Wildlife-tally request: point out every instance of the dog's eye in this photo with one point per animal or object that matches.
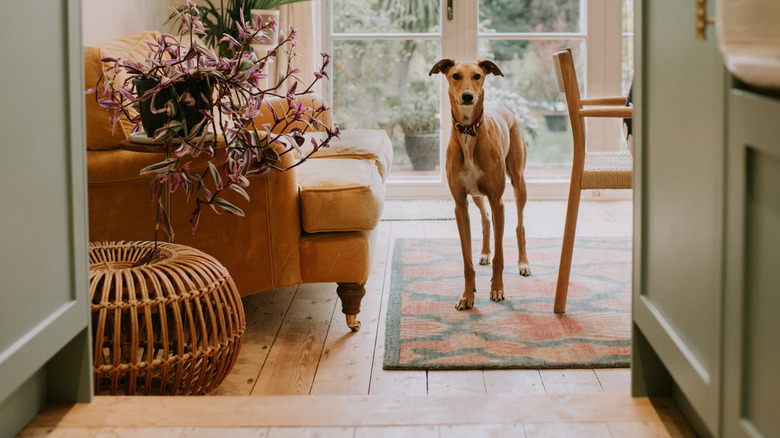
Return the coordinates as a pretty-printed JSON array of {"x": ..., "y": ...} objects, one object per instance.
[
  {"x": 456, "y": 76},
  {"x": 477, "y": 76}
]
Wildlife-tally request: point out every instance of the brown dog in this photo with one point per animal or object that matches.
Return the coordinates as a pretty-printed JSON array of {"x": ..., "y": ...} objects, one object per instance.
[{"x": 485, "y": 146}]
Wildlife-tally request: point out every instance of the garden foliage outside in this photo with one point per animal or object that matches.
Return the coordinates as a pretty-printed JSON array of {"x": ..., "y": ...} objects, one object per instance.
[{"x": 377, "y": 81}]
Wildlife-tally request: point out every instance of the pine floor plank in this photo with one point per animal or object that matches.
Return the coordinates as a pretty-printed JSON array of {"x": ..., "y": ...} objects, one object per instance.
[
  {"x": 133, "y": 432},
  {"x": 623, "y": 214},
  {"x": 440, "y": 229},
  {"x": 570, "y": 381},
  {"x": 265, "y": 313},
  {"x": 483, "y": 431},
  {"x": 579, "y": 430},
  {"x": 597, "y": 219},
  {"x": 292, "y": 363},
  {"x": 225, "y": 432},
  {"x": 442, "y": 383},
  {"x": 513, "y": 382},
  {"x": 614, "y": 380},
  {"x": 52, "y": 432},
  {"x": 644, "y": 429},
  {"x": 556, "y": 214},
  {"x": 311, "y": 432},
  {"x": 313, "y": 302},
  {"x": 398, "y": 432}
]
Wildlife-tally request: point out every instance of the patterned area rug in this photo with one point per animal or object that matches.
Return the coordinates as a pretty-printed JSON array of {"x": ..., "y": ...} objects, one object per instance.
[{"x": 426, "y": 332}]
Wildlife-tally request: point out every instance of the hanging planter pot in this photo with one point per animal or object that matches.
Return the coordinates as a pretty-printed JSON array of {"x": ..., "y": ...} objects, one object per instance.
[{"x": 190, "y": 114}]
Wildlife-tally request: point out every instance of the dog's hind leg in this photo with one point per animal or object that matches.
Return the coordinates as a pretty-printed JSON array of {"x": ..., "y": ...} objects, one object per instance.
[
  {"x": 515, "y": 164},
  {"x": 484, "y": 256}
]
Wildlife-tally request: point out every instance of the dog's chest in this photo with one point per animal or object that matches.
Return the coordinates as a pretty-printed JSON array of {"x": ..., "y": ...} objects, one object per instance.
[{"x": 470, "y": 174}]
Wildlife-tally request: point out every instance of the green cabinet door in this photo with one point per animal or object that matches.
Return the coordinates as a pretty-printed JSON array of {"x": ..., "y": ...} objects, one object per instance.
[
  {"x": 680, "y": 207},
  {"x": 751, "y": 359},
  {"x": 44, "y": 308}
]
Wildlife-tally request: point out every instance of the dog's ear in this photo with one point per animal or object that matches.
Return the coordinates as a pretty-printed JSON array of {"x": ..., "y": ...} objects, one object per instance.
[
  {"x": 489, "y": 67},
  {"x": 441, "y": 67}
]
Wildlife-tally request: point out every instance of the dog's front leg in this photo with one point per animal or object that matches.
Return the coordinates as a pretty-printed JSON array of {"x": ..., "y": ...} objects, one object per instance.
[
  {"x": 497, "y": 281},
  {"x": 464, "y": 230}
]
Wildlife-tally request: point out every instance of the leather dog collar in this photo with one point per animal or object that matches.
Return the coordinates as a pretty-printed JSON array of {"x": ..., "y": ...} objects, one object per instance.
[{"x": 467, "y": 129}]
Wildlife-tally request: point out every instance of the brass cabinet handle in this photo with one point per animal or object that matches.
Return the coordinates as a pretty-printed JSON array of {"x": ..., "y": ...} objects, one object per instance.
[{"x": 702, "y": 20}]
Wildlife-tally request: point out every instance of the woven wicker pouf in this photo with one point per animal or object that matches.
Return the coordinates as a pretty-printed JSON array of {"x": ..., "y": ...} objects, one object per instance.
[{"x": 172, "y": 326}]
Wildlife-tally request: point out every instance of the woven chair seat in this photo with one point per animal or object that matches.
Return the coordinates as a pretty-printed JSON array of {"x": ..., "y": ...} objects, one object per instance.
[{"x": 607, "y": 170}]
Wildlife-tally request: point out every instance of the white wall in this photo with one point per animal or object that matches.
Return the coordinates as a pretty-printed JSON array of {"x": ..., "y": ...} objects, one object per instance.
[{"x": 104, "y": 20}]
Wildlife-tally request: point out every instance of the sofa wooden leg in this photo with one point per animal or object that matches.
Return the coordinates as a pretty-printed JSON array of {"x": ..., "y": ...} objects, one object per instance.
[{"x": 351, "y": 294}]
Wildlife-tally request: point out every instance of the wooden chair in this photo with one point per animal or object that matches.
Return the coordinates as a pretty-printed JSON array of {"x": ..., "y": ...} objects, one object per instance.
[{"x": 589, "y": 170}]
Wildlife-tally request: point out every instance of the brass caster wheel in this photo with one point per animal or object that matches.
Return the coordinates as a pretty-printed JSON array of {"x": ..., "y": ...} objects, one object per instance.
[{"x": 353, "y": 323}]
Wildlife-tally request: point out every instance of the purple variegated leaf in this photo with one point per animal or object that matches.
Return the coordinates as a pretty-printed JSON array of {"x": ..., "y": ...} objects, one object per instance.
[
  {"x": 228, "y": 207},
  {"x": 238, "y": 189},
  {"x": 194, "y": 219},
  {"x": 215, "y": 174},
  {"x": 161, "y": 167}
]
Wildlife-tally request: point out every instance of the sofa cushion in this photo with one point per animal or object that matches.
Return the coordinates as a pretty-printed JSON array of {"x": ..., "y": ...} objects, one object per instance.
[
  {"x": 339, "y": 194},
  {"x": 366, "y": 144},
  {"x": 100, "y": 134}
]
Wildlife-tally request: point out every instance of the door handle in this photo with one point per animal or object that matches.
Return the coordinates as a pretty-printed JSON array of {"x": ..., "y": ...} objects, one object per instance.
[
  {"x": 449, "y": 10},
  {"x": 702, "y": 20}
]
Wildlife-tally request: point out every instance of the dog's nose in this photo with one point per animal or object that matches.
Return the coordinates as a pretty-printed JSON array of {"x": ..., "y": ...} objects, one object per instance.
[{"x": 467, "y": 97}]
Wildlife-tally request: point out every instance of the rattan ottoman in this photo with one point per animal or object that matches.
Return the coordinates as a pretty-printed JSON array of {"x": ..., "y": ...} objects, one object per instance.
[{"x": 172, "y": 326}]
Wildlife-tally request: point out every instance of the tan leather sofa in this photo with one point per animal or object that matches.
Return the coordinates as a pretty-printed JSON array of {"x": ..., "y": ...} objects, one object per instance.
[{"x": 314, "y": 223}]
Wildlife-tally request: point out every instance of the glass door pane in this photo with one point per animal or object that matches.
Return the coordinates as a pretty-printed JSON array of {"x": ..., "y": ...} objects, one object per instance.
[
  {"x": 521, "y": 37},
  {"x": 382, "y": 52}
]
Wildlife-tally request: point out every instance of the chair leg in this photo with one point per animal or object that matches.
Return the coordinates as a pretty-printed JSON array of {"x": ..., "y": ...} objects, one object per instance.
[
  {"x": 567, "y": 248},
  {"x": 351, "y": 294}
]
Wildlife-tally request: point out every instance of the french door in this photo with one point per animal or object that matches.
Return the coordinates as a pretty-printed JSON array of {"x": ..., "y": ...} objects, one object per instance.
[{"x": 383, "y": 49}]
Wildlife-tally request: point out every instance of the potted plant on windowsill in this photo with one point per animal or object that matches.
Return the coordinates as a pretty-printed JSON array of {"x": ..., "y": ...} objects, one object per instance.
[
  {"x": 178, "y": 67},
  {"x": 418, "y": 116}
]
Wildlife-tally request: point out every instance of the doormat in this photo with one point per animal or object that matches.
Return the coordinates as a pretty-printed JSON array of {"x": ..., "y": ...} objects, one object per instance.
[{"x": 418, "y": 209}]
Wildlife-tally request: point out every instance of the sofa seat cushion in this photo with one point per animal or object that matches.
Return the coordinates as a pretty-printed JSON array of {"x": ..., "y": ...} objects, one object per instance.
[
  {"x": 340, "y": 194},
  {"x": 366, "y": 144}
]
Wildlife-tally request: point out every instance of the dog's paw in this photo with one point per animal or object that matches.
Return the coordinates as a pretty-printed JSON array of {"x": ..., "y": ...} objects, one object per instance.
[
  {"x": 484, "y": 259},
  {"x": 465, "y": 302},
  {"x": 524, "y": 269},
  {"x": 497, "y": 295}
]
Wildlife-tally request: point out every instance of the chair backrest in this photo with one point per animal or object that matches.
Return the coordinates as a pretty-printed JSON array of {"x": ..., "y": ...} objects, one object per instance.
[{"x": 567, "y": 84}]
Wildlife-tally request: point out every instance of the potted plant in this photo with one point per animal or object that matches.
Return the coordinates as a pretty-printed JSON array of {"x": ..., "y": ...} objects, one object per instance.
[
  {"x": 177, "y": 66},
  {"x": 218, "y": 19},
  {"x": 418, "y": 116}
]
